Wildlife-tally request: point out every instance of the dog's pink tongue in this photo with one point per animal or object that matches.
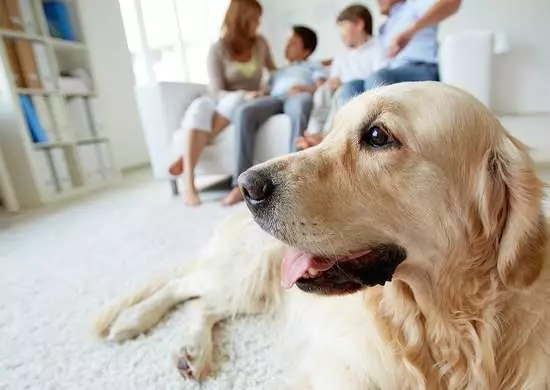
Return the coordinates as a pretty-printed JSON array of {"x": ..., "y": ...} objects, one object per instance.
[{"x": 296, "y": 264}]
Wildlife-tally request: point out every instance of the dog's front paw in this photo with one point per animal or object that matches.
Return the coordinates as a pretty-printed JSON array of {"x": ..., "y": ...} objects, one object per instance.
[{"x": 193, "y": 362}]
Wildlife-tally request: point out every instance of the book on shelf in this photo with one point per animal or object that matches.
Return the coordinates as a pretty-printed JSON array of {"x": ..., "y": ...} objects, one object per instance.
[
  {"x": 45, "y": 73},
  {"x": 4, "y": 17},
  {"x": 13, "y": 60},
  {"x": 59, "y": 112},
  {"x": 33, "y": 124},
  {"x": 106, "y": 161},
  {"x": 59, "y": 20},
  {"x": 27, "y": 16},
  {"x": 25, "y": 56},
  {"x": 95, "y": 117},
  {"x": 45, "y": 117},
  {"x": 18, "y": 15},
  {"x": 46, "y": 172},
  {"x": 72, "y": 85},
  {"x": 61, "y": 169},
  {"x": 80, "y": 118},
  {"x": 90, "y": 162},
  {"x": 14, "y": 17}
]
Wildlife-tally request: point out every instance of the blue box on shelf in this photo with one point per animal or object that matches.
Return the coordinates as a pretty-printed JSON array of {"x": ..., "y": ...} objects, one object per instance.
[{"x": 59, "y": 20}]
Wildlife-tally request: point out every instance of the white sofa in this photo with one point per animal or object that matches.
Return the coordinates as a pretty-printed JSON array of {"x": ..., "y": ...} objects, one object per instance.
[{"x": 465, "y": 62}]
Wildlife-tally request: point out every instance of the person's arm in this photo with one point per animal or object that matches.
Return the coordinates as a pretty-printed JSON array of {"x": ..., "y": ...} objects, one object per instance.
[
  {"x": 319, "y": 73},
  {"x": 334, "y": 78},
  {"x": 309, "y": 88},
  {"x": 215, "y": 66},
  {"x": 438, "y": 12},
  {"x": 268, "y": 59}
]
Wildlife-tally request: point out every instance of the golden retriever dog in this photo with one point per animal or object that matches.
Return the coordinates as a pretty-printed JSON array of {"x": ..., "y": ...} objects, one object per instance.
[{"x": 412, "y": 245}]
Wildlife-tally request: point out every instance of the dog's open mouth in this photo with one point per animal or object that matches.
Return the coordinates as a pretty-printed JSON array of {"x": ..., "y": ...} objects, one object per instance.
[{"x": 341, "y": 274}]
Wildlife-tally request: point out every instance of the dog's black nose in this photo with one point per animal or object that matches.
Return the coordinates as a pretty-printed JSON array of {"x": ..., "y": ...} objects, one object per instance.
[{"x": 255, "y": 186}]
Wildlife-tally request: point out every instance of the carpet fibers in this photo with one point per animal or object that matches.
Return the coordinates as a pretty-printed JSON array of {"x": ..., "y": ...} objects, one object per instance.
[{"x": 60, "y": 266}]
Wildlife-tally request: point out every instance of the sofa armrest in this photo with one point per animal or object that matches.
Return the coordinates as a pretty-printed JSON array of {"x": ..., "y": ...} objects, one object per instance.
[
  {"x": 176, "y": 97},
  {"x": 161, "y": 107},
  {"x": 465, "y": 62}
]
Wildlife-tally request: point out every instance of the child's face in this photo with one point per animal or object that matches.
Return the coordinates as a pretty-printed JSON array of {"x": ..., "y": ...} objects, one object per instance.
[
  {"x": 352, "y": 33},
  {"x": 294, "y": 49}
]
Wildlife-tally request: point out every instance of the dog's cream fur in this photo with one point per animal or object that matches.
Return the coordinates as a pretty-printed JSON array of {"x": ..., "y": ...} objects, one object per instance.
[{"x": 467, "y": 309}]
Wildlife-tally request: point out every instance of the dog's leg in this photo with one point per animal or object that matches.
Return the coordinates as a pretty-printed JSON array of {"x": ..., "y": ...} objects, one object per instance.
[
  {"x": 140, "y": 317},
  {"x": 193, "y": 357}
]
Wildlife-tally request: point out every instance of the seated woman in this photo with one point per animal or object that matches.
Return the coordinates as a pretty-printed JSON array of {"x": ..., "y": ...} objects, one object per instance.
[{"x": 235, "y": 67}]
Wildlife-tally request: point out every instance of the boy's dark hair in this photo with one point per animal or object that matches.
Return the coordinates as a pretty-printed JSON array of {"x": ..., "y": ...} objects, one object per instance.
[
  {"x": 308, "y": 37},
  {"x": 356, "y": 12}
]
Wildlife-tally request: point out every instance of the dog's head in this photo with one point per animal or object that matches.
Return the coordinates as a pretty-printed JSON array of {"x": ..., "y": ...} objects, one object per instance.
[{"x": 410, "y": 173}]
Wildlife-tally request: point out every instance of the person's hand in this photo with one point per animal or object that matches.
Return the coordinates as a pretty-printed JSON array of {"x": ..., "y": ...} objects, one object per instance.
[
  {"x": 301, "y": 88},
  {"x": 307, "y": 141},
  {"x": 251, "y": 95},
  {"x": 399, "y": 42},
  {"x": 334, "y": 84},
  {"x": 296, "y": 90}
]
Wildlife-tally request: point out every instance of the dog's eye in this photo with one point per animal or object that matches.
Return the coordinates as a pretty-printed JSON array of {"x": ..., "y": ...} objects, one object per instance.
[{"x": 377, "y": 138}]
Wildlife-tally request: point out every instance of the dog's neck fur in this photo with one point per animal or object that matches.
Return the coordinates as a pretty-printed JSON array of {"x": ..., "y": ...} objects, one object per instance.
[{"x": 461, "y": 312}]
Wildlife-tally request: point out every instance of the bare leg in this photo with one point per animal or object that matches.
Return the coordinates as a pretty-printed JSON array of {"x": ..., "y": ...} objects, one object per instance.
[
  {"x": 176, "y": 168},
  {"x": 198, "y": 140},
  {"x": 234, "y": 197}
]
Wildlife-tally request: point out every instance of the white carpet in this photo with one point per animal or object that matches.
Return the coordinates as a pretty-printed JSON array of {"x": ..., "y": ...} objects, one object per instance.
[{"x": 59, "y": 267}]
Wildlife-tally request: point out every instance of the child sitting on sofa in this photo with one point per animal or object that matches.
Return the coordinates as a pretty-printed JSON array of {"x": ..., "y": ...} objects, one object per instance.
[
  {"x": 361, "y": 58},
  {"x": 291, "y": 92}
]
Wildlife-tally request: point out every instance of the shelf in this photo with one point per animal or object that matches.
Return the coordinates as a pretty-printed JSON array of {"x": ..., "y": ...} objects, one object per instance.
[
  {"x": 71, "y": 155},
  {"x": 52, "y": 144},
  {"x": 21, "y": 35},
  {"x": 31, "y": 91},
  {"x": 91, "y": 140},
  {"x": 65, "y": 44},
  {"x": 79, "y": 191},
  {"x": 79, "y": 94},
  {"x": 34, "y": 91}
]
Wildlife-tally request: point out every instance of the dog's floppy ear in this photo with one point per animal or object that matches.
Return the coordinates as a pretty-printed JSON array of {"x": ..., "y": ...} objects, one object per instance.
[{"x": 511, "y": 211}]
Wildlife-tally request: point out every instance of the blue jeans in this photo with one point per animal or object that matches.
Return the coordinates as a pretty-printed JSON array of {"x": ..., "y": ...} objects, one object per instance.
[
  {"x": 249, "y": 116},
  {"x": 387, "y": 76}
]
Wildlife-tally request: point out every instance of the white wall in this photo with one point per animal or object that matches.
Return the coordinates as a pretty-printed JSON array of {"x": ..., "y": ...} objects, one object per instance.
[
  {"x": 521, "y": 82},
  {"x": 104, "y": 32}
]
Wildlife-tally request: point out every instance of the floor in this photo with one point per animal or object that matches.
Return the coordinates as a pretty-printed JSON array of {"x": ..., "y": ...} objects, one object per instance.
[{"x": 61, "y": 265}]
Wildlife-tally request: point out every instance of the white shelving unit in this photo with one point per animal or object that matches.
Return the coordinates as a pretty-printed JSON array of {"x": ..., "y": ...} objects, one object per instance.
[{"x": 77, "y": 156}]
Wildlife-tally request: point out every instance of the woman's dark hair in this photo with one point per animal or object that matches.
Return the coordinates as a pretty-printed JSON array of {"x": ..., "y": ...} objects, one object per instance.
[
  {"x": 308, "y": 37},
  {"x": 356, "y": 12}
]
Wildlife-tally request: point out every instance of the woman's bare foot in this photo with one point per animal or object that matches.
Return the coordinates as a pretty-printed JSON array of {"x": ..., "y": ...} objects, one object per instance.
[
  {"x": 192, "y": 198},
  {"x": 233, "y": 197},
  {"x": 307, "y": 141},
  {"x": 301, "y": 143},
  {"x": 176, "y": 168}
]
